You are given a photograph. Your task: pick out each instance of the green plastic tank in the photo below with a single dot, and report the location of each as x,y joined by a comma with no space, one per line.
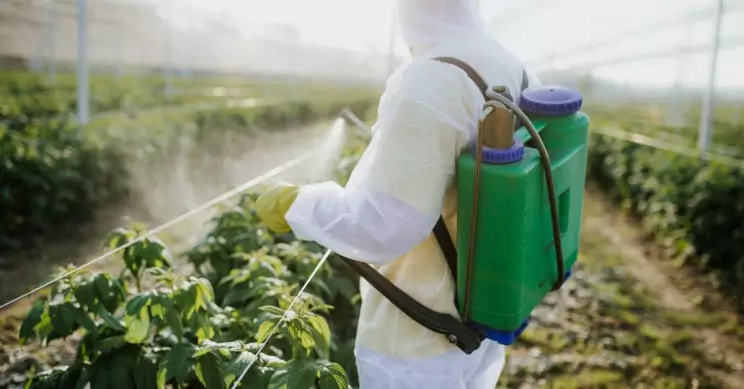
514,259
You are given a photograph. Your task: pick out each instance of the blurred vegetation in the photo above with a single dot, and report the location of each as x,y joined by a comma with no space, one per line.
199,330
726,138
132,92
56,174
203,330
695,208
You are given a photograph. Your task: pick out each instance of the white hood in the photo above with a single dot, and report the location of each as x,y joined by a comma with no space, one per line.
428,23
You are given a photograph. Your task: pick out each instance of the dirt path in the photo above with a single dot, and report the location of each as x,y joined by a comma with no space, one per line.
661,280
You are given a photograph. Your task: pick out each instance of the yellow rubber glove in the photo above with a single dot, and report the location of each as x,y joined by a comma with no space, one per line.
274,204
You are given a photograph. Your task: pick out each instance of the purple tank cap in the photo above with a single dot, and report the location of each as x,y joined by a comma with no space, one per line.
550,100
504,156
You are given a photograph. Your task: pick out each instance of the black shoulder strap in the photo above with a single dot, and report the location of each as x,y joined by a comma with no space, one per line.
476,78
472,74
440,229
447,245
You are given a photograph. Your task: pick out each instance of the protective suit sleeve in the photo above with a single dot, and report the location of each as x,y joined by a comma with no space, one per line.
394,196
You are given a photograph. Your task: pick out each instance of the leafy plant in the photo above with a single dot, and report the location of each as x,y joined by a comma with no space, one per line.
152,328
149,328
56,175
695,207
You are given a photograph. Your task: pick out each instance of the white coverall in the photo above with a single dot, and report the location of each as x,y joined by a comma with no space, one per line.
405,179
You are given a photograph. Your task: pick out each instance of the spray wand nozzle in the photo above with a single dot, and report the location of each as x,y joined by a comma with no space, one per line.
358,123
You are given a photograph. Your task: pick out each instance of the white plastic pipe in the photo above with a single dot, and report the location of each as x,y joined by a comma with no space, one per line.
52,59
707,114
82,63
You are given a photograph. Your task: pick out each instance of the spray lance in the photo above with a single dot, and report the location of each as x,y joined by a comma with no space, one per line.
519,204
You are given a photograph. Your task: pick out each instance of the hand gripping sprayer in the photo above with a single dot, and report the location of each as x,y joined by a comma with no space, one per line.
519,215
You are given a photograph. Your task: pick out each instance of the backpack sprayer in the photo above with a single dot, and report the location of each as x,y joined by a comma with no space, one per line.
520,197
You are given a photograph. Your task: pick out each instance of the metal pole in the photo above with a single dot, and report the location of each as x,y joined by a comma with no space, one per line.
675,108
119,51
82,64
52,61
168,62
707,114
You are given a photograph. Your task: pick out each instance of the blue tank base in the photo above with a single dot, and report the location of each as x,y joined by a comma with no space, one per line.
507,338
568,274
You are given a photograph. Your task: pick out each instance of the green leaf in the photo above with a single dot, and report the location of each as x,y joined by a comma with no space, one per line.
186,299
64,318
321,307
112,342
302,374
146,375
110,320
138,327
209,372
331,375
206,291
119,237
84,379
100,379
173,318
111,292
204,328
321,332
272,310
179,362
160,380
137,303
297,330
236,367
32,319
45,329
279,379
86,322
265,329
119,377
132,261
71,376
153,252
236,296
85,295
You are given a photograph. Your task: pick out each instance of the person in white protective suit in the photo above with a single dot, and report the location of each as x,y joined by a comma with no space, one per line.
384,216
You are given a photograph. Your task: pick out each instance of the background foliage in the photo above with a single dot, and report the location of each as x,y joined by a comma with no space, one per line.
56,175
153,326
694,207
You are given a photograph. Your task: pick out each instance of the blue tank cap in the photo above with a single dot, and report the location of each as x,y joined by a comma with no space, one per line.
550,100
504,156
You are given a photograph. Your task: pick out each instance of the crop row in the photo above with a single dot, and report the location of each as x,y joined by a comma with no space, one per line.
726,138
694,207
150,328
55,176
24,94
